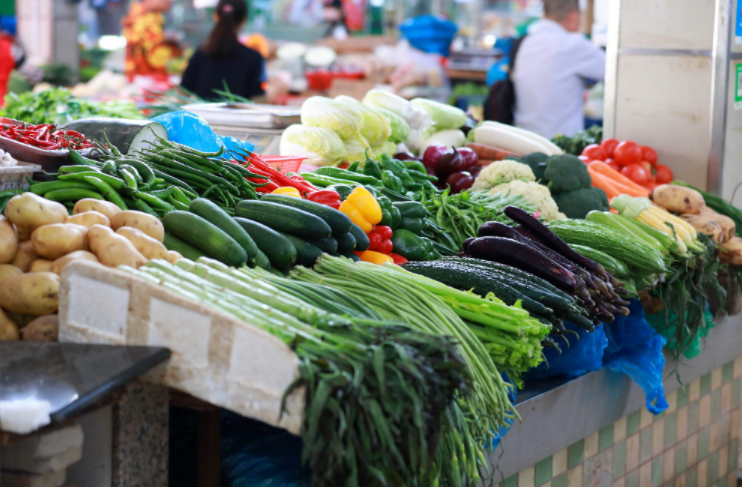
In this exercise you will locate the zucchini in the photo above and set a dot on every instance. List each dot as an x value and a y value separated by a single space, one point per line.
279 250
261 260
284 219
306 253
351 256
362 241
186 250
478 280
346 242
205 236
210 212
337 220
327 244
612 265
125 135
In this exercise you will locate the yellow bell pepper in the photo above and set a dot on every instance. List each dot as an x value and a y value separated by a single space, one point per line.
362 209
287 191
375 257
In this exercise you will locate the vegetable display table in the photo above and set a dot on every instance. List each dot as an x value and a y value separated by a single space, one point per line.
596 431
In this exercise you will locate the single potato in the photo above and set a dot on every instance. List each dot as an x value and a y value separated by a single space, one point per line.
25 255
151 225
7 270
85 205
731 252
42 329
62 262
146 245
727 224
36 294
8 240
59 239
8 329
113 250
41 265
677 199
173 256
705 224
90 218
31 211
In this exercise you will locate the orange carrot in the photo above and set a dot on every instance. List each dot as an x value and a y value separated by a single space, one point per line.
608 171
604 183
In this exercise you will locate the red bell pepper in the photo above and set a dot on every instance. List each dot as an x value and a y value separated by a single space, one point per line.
398 259
380 239
325 197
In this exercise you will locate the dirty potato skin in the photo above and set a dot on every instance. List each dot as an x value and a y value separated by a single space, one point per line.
42 329
35 294
31 211
706 225
113 250
677 199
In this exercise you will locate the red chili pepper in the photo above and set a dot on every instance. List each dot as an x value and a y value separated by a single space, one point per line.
281 179
325 197
398 259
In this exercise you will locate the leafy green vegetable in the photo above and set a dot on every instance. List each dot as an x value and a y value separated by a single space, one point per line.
576 144
322 146
58 106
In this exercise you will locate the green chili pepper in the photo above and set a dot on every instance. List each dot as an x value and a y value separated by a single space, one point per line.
372 168
421 177
79 160
155 202
133 171
143 206
415 166
109 167
74 169
71 194
354 166
179 195
129 179
105 189
389 164
112 181
162 193
335 172
391 181
42 188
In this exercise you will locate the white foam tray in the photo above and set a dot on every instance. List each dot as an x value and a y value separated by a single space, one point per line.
215 357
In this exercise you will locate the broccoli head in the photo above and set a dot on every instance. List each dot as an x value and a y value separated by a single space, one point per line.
537 162
580 202
566 173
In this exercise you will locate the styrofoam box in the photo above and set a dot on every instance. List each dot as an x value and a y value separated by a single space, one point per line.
14 177
215 357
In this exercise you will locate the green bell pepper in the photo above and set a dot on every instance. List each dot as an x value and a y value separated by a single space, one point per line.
409 245
396 217
414 166
391 181
343 190
415 225
372 168
386 211
411 209
354 167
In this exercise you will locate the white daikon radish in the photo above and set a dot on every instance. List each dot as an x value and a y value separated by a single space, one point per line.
553 149
449 138
508 140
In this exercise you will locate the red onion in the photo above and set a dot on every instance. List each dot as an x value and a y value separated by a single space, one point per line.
450 162
405 156
460 181
471 158
432 154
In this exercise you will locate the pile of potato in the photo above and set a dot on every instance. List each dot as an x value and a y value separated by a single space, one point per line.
38 238
692 208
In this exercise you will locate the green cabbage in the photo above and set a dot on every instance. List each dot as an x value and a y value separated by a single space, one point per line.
417 118
389 148
376 128
400 128
327 113
444 116
356 149
321 146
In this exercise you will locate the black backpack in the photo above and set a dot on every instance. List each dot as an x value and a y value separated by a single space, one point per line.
500 103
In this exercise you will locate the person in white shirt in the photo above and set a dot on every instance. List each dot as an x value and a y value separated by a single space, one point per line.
551 68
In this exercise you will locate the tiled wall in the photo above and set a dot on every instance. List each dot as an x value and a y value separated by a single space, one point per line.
695 443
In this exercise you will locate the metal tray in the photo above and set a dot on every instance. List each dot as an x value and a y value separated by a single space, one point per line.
49 160
246 114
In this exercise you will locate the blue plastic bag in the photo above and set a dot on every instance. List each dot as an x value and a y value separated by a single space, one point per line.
635 349
189 129
579 355
429 34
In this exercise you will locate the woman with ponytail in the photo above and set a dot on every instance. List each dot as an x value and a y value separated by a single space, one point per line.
222 61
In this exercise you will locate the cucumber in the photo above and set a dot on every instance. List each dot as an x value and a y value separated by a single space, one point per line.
612 265
338 221
279 250
327 244
351 256
126 135
346 242
261 260
362 241
205 236
186 250
284 219
306 253
210 212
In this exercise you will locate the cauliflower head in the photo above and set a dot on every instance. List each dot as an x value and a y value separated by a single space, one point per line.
536 193
503 172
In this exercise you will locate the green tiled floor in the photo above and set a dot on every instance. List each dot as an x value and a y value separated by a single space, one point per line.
586 463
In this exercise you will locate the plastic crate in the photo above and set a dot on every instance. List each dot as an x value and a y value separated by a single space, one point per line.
284 164
15 177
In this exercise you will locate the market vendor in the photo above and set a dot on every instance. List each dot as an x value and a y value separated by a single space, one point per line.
553 63
222 62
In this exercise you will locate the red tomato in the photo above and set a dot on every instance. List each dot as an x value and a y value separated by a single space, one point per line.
646 166
614 165
664 174
609 146
585 159
386 247
636 173
375 240
649 155
595 153
627 153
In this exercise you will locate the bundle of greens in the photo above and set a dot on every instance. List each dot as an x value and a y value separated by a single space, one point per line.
380 396
58 106
576 144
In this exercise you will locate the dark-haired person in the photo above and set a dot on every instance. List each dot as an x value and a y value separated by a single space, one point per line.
553 63
223 61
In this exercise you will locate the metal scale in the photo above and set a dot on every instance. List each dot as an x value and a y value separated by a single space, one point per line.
261 125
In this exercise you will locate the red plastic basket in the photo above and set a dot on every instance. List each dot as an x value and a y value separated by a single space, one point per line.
284 164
